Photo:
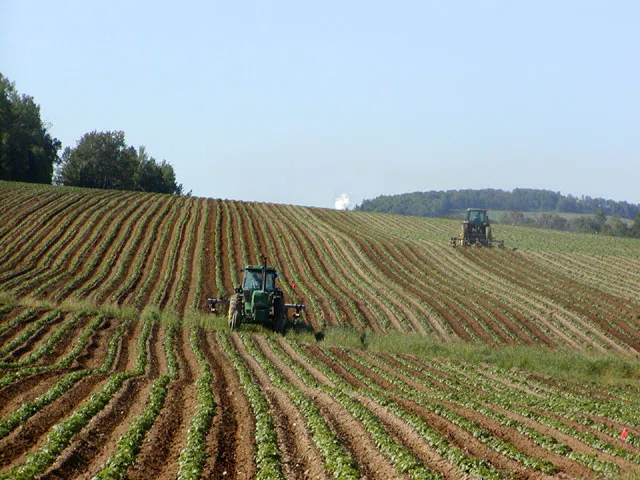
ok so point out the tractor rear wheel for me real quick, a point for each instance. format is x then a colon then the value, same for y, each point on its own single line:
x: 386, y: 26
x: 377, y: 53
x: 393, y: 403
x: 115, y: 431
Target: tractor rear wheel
x: 234, y: 311
x: 279, y: 318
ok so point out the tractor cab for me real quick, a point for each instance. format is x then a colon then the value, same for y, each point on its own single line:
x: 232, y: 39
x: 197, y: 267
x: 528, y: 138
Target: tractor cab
x: 253, y: 278
x: 477, y: 216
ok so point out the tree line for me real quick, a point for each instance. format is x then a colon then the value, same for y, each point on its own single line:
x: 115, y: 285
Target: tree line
x: 28, y: 153
x: 446, y: 203
x: 598, y: 223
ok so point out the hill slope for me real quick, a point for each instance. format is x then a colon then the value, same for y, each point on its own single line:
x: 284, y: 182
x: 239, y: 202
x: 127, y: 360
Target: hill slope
x: 90, y: 392
x: 364, y: 270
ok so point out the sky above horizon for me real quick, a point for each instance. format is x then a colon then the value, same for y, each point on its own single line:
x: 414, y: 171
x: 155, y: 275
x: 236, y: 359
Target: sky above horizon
x: 328, y: 103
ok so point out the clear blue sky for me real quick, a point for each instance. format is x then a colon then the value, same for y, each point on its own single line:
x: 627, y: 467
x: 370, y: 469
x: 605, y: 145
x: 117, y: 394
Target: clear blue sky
x: 299, y: 102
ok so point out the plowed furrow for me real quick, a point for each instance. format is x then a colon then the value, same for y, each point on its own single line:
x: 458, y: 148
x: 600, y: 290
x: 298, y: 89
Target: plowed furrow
x: 15, y: 394
x: 223, y: 257
x: 230, y: 443
x: 13, y: 328
x: 30, y: 435
x: 303, y: 265
x: 59, y: 256
x: 38, y: 246
x: 534, y: 304
x: 76, y: 266
x: 176, y: 255
x: 123, y: 252
x: 92, y: 447
x: 271, y: 246
x: 299, y: 456
x: 65, y: 344
x: 159, y: 256
x: 458, y: 435
x: 291, y: 254
x: 118, y: 285
x: 341, y: 254
x: 34, y: 231
x: 95, y: 351
x: 16, y: 211
x: 209, y: 257
x: 182, y: 288
x: 36, y: 338
x: 567, y: 299
x: 372, y: 463
x: 339, y: 287
x: 161, y: 449
x: 234, y: 241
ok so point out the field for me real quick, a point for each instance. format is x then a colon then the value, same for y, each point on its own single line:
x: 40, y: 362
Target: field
x: 110, y: 368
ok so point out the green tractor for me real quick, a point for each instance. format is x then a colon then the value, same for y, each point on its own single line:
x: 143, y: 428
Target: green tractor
x: 476, y: 231
x: 258, y: 300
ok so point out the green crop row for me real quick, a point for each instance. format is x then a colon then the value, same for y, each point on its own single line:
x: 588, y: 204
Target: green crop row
x: 267, y: 451
x: 52, y: 339
x: 336, y: 460
x: 135, y: 255
x: 467, y: 395
x: 51, y: 267
x: 483, y: 435
x: 437, y: 441
x: 193, y: 456
x: 61, y: 434
x: 129, y: 445
x: 24, y: 317
x: 52, y: 317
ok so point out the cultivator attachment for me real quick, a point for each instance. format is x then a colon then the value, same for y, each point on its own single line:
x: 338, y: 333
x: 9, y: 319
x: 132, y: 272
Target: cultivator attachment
x: 461, y: 242
x: 213, y: 304
x: 294, y: 306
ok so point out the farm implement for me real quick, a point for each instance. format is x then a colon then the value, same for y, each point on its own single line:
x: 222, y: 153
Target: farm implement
x: 258, y: 300
x: 476, y: 231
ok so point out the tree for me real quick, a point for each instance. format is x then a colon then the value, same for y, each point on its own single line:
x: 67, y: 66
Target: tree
x: 103, y: 160
x: 27, y: 151
x: 100, y: 160
x: 154, y: 177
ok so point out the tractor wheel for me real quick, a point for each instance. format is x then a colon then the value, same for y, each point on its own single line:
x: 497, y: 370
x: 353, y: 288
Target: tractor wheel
x: 279, y: 318
x: 234, y: 312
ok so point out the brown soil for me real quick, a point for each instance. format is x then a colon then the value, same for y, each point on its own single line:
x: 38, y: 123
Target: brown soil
x: 299, y: 456
x: 162, y: 445
x: 91, y: 448
x: 230, y: 443
x: 176, y: 248
x: 209, y: 266
x: 354, y: 437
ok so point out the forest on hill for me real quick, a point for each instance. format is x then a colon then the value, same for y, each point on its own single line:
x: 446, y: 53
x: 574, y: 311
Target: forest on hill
x: 443, y: 203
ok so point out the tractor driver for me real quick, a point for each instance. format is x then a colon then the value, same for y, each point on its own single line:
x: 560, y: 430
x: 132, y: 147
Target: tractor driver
x: 252, y: 280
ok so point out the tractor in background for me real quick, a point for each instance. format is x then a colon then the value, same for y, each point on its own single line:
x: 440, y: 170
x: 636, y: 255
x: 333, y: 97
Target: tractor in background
x: 476, y: 231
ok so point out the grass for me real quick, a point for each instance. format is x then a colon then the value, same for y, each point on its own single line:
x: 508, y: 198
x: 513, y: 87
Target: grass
x: 580, y: 366
x: 8, y: 299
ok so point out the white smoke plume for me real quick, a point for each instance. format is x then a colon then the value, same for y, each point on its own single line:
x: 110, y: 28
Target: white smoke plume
x: 342, y: 202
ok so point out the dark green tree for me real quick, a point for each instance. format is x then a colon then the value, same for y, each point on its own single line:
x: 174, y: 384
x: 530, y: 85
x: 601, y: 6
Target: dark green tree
x: 99, y: 160
x: 27, y: 151
x: 103, y: 160
x: 152, y: 176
